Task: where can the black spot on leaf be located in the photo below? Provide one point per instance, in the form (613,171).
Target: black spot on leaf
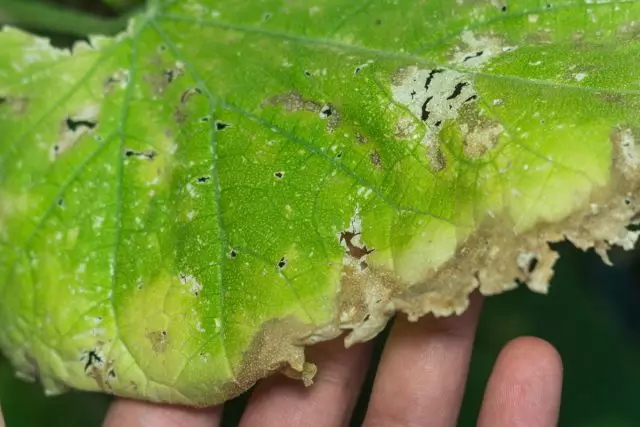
(425,113)
(169,75)
(475,55)
(221,125)
(431,76)
(326,111)
(73,124)
(147,155)
(375,159)
(93,358)
(457,90)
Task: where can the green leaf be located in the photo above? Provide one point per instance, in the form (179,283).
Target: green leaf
(188,205)
(123,4)
(50,18)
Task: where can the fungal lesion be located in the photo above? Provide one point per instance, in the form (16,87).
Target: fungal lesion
(119,79)
(441,95)
(98,367)
(17,104)
(220,125)
(293,102)
(163,76)
(159,340)
(626,145)
(435,97)
(149,155)
(282,263)
(356,251)
(75,126)
(480,133)
(375,159)
(181,110)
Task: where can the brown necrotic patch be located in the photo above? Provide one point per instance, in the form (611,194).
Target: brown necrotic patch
(480,138)
(294,102)
(73,127)
(159,340)
(376,161)
(144,155)
(354,251)
(163,76)
(17,104)
(119,79)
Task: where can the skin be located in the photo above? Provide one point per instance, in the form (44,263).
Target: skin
(420,382)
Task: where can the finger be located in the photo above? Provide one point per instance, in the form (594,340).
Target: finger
(1,418)
(423,370)
(130,413)
(282,402)
(525,386)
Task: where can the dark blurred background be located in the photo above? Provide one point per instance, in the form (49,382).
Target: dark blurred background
(592,314)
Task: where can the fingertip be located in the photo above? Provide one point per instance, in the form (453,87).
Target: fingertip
(533,352)
(133,413)
(423,370)
(279,401)
(525,386)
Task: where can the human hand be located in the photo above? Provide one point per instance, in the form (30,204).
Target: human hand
(420,382)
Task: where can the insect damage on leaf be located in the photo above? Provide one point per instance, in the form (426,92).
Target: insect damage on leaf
(213,190)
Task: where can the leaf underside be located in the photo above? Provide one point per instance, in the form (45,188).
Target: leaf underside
(186,206)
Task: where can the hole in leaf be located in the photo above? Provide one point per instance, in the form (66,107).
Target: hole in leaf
(354,251)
